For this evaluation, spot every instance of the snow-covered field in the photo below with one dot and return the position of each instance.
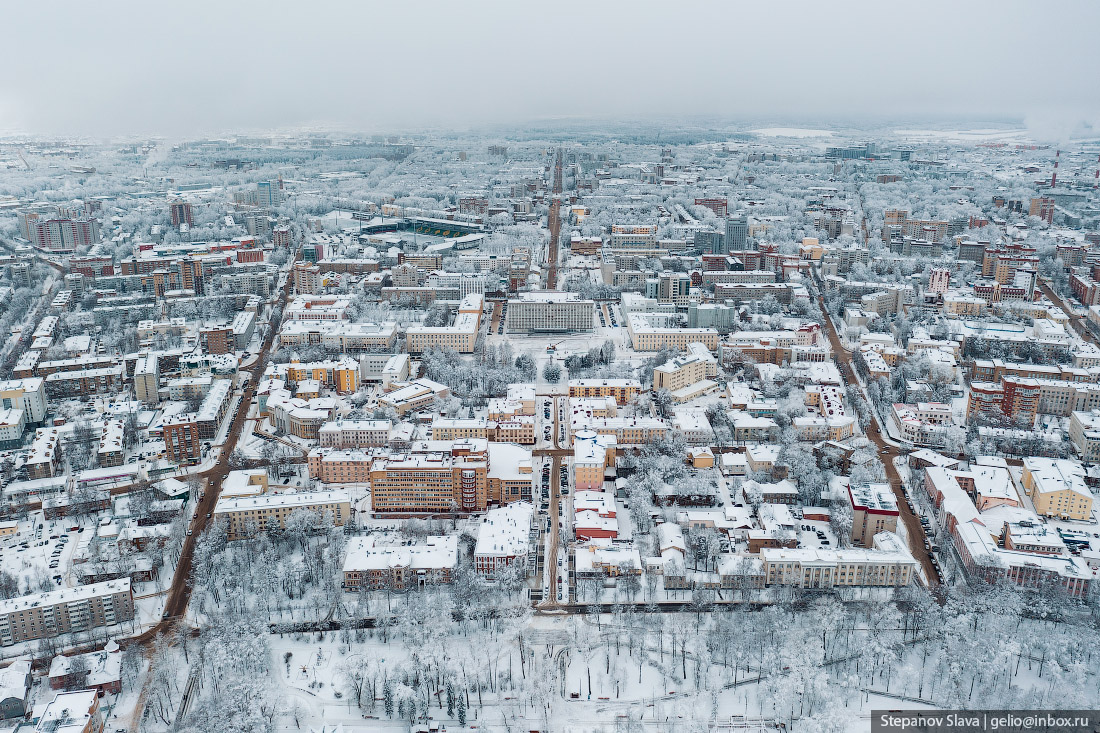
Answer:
(799, 132)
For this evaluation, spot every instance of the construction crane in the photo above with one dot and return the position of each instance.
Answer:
(24, 160)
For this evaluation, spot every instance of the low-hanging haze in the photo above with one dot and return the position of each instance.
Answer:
(198, 67)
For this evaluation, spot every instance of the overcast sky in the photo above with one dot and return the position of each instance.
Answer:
(199, 68)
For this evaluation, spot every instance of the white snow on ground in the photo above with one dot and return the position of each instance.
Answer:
(791, 132)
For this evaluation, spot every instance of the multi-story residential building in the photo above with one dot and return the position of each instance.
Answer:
(247, 516)
(213, 408)
(681, 372)
(737, 232)
(307, 278)
(147, 379)
(12, 425)
(549, 312)
(626, 430)
(445, 428)
(217, 340)
(340, 465)
(632, 235)
(519, 429)
(180, 211)
(1057, 488)
(505, 538)
(45, 455)
(746, 292)
(874, 510)
(897, 225)
(182, 441)
(623, 390)
(69, 610)
(269, 193)
(593, 454)
(60, 234)
(1042, 207)
(890, 565)
(719, 206)
(939, 280)
(107, 380)
(1084, 431)
(464, 283)
(373, 565)
(340, 375)
(27, 394)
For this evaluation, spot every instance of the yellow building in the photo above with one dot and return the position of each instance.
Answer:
(444, 428)
(460, 336)
(341, 375)
(248, 516)
(623, 390)
(680, 372)
(1057, 488)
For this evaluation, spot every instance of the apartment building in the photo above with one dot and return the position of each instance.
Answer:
(1042, 207)
(445, 428)
(84, 382)
(593, 454)
(549, 311)
(632, 235)
(340, 375)
(249, 515)
(217, 340)
(890, 566)
(69, 610)
(60, 235)
(1057, 488)
(519, 429)
(505, 536)
(147, 379)
(874, 510)
(626, 430)
(898, 225)
(623, 390)
(681, 372)
(45, 455)
(27, 394)
(182, 441)
(1084, 432)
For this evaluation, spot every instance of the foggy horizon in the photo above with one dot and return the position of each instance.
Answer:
(129, 69)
